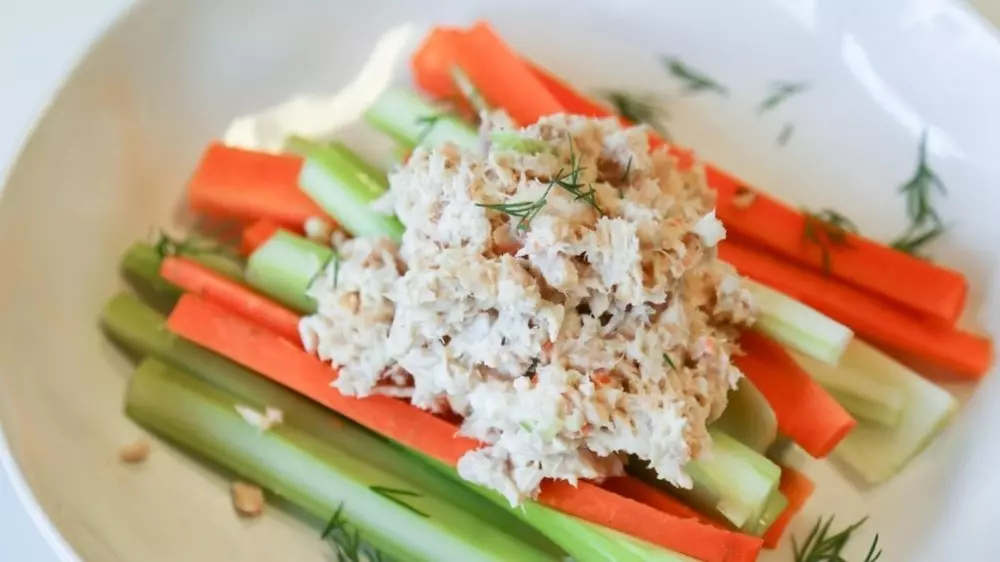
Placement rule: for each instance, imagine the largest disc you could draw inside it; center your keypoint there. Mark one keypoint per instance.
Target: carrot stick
(256, 234)
(635, 489)
(797, 489)
(431, 63)
(805, 412)
(200, 280)
(495, 69)
(944, 350)
(940, 294)
(285, 362)
(248, 186)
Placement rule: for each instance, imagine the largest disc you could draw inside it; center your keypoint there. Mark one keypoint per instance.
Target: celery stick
(876, 452)
(406, 117)
(798, 326)
(776, 504)
(284, 267)
(140, 267)
(142, 332)
(317, 477)
(748, 418)
(513, 140)
(302, 146)
(345, 191)
(864, 396)
(734, 482)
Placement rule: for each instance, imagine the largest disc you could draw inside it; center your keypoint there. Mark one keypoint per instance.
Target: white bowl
(110, 159)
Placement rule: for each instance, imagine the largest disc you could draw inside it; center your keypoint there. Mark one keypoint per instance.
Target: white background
(40, 41)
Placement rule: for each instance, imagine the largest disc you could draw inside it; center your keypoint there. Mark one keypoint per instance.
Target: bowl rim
(25, 496)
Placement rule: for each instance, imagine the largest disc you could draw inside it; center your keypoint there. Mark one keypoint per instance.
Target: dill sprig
(193, 245)
(569, 181)
(780, 92)
(821, 546)
(694, 80)
(639, 108)
(925, 222)
(347, 543)
(825, 229)
(525, 210)
(393, 495)
(785, 135)
(669, 361)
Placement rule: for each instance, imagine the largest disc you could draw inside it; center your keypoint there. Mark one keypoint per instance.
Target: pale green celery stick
(296, 144)
(142, 332)
(748, 418)
(140, 267)
(876, 452)
(734, 482)
(512, 140)
(776, 504)
(864, 396)
(285, 266)
(346, 192)
(406, 523)
(469, 90)
(798, 326)
(582, 540)
(412, 121)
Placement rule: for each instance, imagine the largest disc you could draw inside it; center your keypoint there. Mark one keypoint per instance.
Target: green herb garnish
(785, 135)
(669, 361)
(525, 210)
(571, 181)
(925, 222)
(346, 543)
(193, 245)
(393, 495)
(638, 108)
(694, 81)
(826, 229)
(780, 92)
(820, 546)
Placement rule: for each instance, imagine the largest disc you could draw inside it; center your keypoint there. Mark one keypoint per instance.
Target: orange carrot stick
(256, 234)
(432, 61)
(940, 294)
(200, 280)
(496, 70)
(285, 362)
(797, 489)
(635, 489)
(874, 320)
(806, 413)
(248, 186)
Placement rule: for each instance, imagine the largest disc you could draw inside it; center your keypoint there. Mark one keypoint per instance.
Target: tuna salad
(559, 291)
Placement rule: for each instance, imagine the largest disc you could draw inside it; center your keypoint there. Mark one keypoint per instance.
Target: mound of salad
(544, 332)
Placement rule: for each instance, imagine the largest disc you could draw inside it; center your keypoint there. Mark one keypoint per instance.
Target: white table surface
(36, 51)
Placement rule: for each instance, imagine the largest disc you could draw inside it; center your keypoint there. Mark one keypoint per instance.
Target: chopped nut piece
(136, 452)
(248, 499)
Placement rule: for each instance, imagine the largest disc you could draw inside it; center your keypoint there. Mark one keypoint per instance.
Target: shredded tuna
(551, 333)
